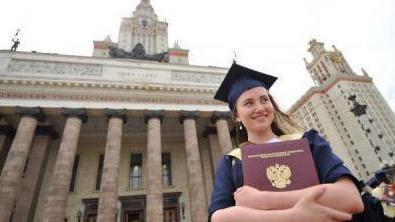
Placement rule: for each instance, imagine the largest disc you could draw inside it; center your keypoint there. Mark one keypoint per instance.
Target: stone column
(221, 121)
(215, 149)
(57, 196)
(34, 174)
(109, 185)
(154, 210)
(7, 133)
(11, 175)
(197, 196)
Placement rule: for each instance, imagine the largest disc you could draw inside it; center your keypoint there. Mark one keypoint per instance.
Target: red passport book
(280, 166)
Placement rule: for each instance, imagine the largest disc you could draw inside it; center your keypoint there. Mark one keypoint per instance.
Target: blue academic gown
(229, 172)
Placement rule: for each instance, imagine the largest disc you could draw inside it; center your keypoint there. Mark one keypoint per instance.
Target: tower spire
(326, 64)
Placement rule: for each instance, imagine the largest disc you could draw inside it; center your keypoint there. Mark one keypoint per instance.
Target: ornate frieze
(5, 84)
(108, 98)
(196, 77)
(50, 67)
(135, 74)
(138, 75)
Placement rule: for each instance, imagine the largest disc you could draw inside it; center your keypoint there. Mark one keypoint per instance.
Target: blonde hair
(282, 124)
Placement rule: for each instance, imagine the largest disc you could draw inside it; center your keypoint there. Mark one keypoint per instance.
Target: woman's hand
(307, 209)
(247, 196)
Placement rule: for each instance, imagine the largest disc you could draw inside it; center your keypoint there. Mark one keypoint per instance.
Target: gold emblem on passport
(279, 175)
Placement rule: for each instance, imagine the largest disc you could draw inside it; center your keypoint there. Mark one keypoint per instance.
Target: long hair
(282, 124)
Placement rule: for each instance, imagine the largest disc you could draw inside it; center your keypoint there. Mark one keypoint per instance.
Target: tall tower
(145, 28)
(142, 36)
(348, 110)
(326, 64)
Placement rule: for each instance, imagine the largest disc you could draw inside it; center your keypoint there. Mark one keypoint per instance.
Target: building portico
(130, 147)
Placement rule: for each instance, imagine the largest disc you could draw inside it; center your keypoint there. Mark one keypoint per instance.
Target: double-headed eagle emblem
(279, 175)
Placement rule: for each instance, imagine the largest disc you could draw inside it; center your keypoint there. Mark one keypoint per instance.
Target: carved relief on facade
(105, 98)
(74, 69)
(196, 77)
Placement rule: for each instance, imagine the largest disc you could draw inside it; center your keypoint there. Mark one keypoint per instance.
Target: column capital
(47, 130)
(154, 114)
(188, 115)
(7, 130)
(217, 115)
(34, 112)
(119, 113)
(209, 131)
(75, 112)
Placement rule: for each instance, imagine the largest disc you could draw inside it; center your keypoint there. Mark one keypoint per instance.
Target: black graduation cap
(239, 79)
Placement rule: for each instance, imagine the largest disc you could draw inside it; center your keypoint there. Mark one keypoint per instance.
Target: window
(136, 171)
(166, 170)
(99, 171)
(74, 173)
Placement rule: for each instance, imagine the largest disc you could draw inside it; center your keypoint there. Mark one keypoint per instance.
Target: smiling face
(255, 110)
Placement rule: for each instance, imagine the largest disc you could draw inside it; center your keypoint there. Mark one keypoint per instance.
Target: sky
(270, 36)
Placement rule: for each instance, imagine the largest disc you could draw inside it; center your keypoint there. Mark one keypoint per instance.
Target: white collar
(273, 140)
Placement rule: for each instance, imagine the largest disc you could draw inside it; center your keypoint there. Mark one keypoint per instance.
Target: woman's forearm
(237, 214)
(305, 209)
(341, 195)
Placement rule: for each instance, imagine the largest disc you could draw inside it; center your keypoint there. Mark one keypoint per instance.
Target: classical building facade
(348, 110)
(110, 139)
(92, 137)
(133, 133)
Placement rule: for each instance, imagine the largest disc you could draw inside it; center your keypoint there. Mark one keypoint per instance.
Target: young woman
(335, 199)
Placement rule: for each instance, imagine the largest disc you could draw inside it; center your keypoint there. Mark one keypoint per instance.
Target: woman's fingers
(339, 215)
(308, 207)
(312, 196)
(334, 214)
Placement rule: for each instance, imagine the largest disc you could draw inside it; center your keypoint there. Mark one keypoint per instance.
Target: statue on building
(15, 45)
(15, 41)
(138, 52)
